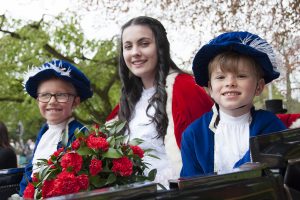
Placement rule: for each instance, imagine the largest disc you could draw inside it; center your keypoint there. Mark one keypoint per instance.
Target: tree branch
(56, 54)
(12, 99)
(12, 34)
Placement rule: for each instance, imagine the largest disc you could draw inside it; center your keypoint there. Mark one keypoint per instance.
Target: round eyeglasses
(59, 97)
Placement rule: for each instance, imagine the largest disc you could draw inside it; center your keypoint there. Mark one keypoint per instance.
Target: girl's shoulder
(183, 77)
(179, 77)
(186, 82)
(202, 121)
(186, 87)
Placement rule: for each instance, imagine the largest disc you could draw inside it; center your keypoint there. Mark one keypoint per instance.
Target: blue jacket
(72, 126)
(197, 146)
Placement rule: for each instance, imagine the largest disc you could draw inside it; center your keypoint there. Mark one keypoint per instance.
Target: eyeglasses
(59, 97)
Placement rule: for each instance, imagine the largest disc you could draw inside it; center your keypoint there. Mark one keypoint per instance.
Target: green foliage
(25, 44)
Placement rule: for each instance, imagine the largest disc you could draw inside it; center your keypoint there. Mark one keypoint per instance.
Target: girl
(158, 100)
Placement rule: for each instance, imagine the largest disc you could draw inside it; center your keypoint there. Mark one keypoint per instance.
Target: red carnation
(73, 160)
(137, 150)
(66, 183)
(50, 162)
(29, 191)
(83, 181)
(96, 126)
(122, 166)
(97, 142)
(47, 189)
(76, 144)
(100, 134)
(56, 153)
(35, 178)
(95, 166)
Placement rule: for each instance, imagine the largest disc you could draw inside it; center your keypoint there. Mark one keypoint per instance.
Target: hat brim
(32, 84)
(209, 51)
(282, 111)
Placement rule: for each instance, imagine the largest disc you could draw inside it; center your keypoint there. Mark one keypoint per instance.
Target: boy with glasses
(58, 87)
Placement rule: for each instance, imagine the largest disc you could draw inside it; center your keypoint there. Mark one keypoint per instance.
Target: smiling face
(140, 52)
(234, 88)
(53, 111)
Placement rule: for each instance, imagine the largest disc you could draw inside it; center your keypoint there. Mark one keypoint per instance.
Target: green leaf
(148, 150)
(85, 151)
(43, 171)
(140, 178)
(103, 129)
(130, 153)
(37, 194)
(111, 140)
(112, 153)
(106, 168)
(120, 151)
(49, 174)
(120, 126)
(121, 139)
(153, 156)
(97, 181)
(79, 134)
(42, 161)
(111, 179)
(136, 141)
(112, 130)
(152, 174)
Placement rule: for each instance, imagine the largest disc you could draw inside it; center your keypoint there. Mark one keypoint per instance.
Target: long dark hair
(132, 85)
(4, 142)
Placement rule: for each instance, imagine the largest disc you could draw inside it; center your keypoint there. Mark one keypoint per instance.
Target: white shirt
(231, 141)
(140, 127)
(48, 143)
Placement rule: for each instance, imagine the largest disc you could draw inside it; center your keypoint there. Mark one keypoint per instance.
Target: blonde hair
(230, 61)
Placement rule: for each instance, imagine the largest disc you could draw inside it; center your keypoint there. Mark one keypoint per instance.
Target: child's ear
(76, 101)
(209, 89)
(260, 87)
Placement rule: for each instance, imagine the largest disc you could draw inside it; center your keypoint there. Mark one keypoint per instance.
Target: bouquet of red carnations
(99, 157)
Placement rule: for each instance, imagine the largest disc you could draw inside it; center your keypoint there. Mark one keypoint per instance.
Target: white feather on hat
(263, 46)
(31, 72)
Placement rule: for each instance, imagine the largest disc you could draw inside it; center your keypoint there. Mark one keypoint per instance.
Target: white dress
(140, 127)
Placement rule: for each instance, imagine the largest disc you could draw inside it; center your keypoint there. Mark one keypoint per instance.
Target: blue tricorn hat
(241, 42)
(62, 70)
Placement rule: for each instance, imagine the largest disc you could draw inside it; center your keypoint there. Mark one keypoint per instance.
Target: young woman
(158, 100)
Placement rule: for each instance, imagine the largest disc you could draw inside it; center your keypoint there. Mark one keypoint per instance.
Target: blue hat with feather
(62, 70)
(241, 42)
